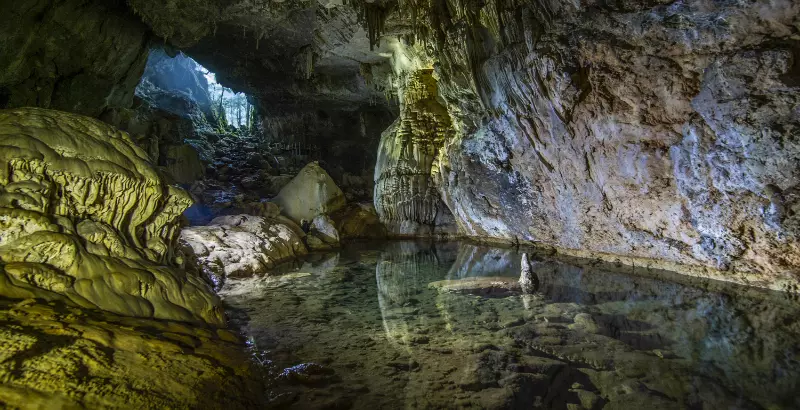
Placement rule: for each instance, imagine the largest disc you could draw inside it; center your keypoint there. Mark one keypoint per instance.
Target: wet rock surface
(381, 333)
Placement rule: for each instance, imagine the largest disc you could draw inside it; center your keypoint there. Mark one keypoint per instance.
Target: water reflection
(442, 335)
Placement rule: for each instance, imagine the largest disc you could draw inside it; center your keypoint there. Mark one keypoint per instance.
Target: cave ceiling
(287, 53)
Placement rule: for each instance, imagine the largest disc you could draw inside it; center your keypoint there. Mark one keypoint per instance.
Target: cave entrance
(181, 86)
(238, 108)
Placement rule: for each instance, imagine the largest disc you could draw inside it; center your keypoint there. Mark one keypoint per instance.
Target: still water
(441, 325)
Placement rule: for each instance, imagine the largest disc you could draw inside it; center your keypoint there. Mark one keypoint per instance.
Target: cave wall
(345, 141)
(72, 55)
(657, 130)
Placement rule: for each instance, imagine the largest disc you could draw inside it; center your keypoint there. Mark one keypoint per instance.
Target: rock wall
(86, 218)
(654, 130)
(72, 55)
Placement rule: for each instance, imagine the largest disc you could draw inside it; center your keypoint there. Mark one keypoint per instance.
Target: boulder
(358, 220)
(310, 193)
(322, 234)
(315, 243)
(322, 226)
(87, 219)
(240, 245)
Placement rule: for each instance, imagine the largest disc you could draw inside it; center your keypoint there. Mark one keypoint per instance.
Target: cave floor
(420, 325)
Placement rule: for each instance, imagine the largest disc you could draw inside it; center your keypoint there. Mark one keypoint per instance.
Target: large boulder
(87, 219)
(240, 245)
(312, 192)
(358, 220)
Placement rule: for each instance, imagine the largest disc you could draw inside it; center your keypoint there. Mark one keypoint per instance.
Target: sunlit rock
(312, 192)
(241, 245)
(87, 219)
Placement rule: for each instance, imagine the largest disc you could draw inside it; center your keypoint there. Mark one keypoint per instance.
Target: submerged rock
(240, 245)
(87, 219)
(310, 193)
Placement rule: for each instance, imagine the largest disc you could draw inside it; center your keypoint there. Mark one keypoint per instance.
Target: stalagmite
(528, 280)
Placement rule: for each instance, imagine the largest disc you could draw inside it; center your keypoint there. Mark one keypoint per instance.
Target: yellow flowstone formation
(85, 217)
(404, 190)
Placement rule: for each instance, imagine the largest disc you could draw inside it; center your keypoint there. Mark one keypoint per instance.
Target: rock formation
(322, 233)
(240, 245)
(406, 197)
(528, 280)
(312, 192)
(86, 218)
(54, 356)
(358, 220)
(660, 133)
(71, 55)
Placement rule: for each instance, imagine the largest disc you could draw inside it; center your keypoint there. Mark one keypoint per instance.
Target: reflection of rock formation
(405, 196)
(86, 218)
(476, 260)
(402, 274)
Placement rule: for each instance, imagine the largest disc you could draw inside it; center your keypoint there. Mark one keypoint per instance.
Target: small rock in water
(528, 280)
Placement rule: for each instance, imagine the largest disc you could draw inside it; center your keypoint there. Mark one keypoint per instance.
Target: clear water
(373, 327)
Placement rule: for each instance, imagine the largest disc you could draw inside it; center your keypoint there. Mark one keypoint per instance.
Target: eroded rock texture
(653, 130)
(406, 197)
(241, 245)
(85, 217)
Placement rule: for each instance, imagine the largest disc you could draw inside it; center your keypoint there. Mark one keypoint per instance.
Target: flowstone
(58, 357)
(86, 218)
(406, 199)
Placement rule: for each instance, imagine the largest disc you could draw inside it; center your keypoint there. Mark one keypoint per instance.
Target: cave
(428, 204)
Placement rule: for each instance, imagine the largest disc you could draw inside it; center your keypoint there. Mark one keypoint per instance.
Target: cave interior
(426, 204)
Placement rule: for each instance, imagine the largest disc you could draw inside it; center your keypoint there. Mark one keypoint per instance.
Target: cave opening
(399, 204)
